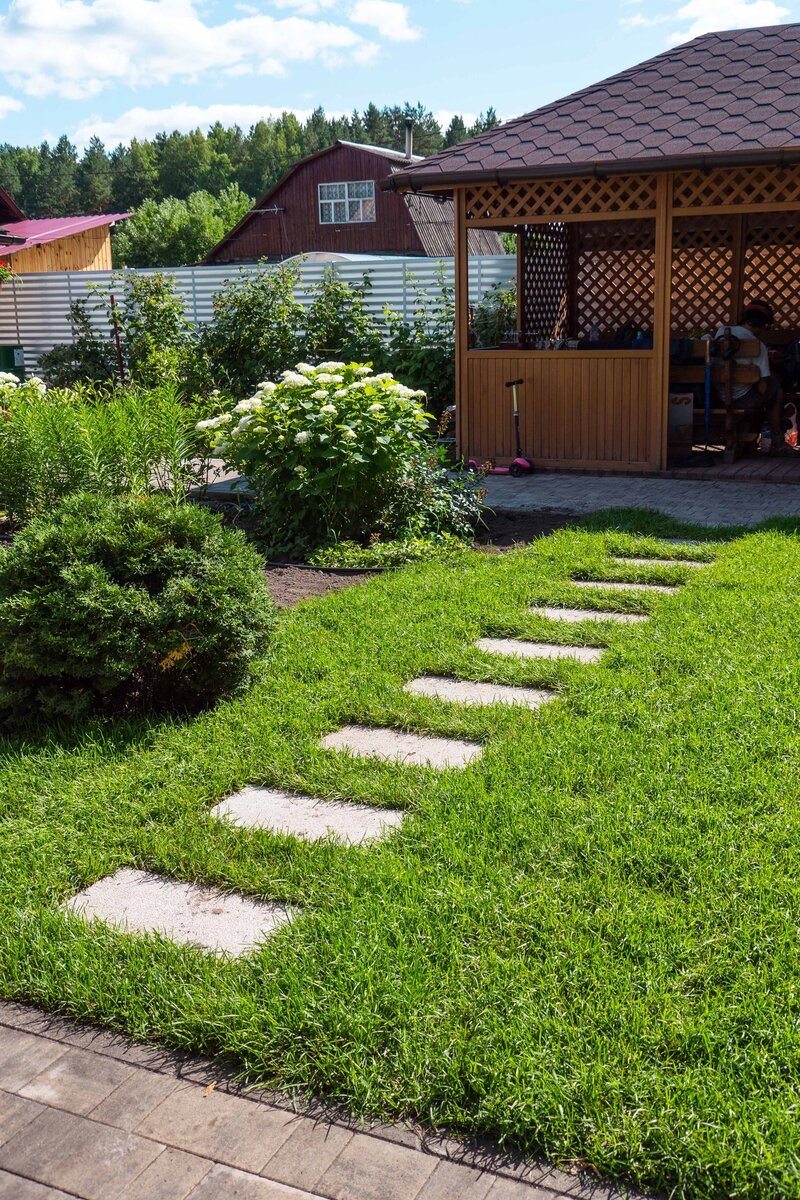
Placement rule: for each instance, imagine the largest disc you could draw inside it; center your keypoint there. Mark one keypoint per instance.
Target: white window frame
(326, 203)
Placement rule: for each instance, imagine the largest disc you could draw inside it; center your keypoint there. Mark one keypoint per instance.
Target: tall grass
(63, 441)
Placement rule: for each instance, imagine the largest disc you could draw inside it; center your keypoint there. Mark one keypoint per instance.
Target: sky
(129, 68)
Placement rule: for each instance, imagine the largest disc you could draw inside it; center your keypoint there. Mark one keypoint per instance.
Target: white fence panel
(34, 312)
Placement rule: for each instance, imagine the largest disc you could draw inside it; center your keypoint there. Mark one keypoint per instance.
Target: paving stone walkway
(705, 503)
(90, 1115)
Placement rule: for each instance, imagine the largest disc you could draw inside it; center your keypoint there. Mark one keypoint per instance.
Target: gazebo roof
(733, 95)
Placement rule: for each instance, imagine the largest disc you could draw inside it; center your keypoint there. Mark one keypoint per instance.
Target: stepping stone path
(660, 562)
(575, 615)
(514, 647)
(140, 902)
(613, 585)
(461, 691)
(411, 749)
(306, 817)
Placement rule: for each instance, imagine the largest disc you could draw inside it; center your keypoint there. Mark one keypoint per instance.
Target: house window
(346, 203)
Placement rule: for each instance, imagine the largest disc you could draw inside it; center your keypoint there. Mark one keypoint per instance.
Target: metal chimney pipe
(409, 138)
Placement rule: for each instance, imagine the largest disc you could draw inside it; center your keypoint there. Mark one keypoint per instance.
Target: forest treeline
(55, 180)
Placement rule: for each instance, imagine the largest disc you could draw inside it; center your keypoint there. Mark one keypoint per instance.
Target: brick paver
(703, 503)
(115, 1120)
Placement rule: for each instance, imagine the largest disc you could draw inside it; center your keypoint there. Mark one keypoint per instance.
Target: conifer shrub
(127, 604)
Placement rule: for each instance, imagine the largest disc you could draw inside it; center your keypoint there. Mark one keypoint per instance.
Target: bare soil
(289, 585)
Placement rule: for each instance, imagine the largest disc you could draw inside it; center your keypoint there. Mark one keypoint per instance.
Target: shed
(54, 243)
(331, 201)
(645, 207)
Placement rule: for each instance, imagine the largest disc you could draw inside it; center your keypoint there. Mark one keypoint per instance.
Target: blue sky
(124, 68)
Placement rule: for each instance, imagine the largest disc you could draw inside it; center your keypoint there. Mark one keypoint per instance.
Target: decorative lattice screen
(614, 276)
(745, 185)
(702, 272)
(561, 197)
(772, 265)
(544, 282)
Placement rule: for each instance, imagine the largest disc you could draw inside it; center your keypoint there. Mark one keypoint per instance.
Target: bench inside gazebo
(646, 210)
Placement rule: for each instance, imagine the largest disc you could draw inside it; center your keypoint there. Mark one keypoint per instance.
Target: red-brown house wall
(297, 229)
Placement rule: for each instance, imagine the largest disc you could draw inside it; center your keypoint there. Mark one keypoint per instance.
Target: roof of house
(734, 95)
(433, 220)
(50, 229)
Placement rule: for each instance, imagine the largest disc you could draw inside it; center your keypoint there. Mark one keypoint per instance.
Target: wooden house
(54, 243)
(646, 209)
(332, 202)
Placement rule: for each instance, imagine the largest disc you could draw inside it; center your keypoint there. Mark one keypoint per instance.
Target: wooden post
(662, 307)
(737, 268)
(461, 269)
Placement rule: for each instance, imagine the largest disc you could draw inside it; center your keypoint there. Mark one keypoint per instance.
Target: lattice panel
(561, 197)
(615, 263)
(746, 185)
(772, 265)
(702, 273)
(544, 280)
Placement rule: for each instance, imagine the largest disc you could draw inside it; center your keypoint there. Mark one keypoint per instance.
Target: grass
(585, 945)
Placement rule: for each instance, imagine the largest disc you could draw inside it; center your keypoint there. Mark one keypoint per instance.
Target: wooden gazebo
(646, 209)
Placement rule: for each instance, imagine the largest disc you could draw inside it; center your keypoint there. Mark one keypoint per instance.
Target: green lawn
(585, 945)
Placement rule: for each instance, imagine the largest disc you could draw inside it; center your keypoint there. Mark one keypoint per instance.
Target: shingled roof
(733, 95)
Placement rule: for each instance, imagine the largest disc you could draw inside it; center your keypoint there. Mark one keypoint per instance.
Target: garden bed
(290, 583)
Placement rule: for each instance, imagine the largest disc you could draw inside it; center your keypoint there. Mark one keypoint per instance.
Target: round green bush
(127, 604)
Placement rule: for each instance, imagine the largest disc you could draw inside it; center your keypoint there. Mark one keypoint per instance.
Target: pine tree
(93, 179)
(456, 132)
(134, 174)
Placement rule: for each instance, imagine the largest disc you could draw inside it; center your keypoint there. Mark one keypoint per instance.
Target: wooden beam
(661, 321)
(737, 267)
(461, 270)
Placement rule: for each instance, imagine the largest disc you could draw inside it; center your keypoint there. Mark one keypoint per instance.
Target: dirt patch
(289, 585)
(504, 530)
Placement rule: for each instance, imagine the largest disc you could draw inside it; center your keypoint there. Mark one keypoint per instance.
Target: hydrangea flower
(266, 386)
(304, 369)
(214, 422)
(331, 366)
(320, 394)
(328, 408)
(246, 406)
(363, 370)
(294, 377)
(302, 437)
(243, 424)
(347, 433)
(375, 408)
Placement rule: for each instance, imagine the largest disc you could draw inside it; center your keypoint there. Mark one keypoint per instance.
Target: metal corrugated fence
(34, 313)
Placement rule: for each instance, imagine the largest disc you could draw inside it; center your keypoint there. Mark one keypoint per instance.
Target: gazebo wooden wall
(688, 245)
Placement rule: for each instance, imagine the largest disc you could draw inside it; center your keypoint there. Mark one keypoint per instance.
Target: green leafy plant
(257, 328)
(54, 443)
(127, 604)
(495, 319)
(421, 351)
(339, 322)
(395, 553)
(336, 452)
(88, 357)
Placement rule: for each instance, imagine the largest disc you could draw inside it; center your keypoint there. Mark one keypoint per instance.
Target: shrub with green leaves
(336, 452)
(395, 553)
(125, 604)
(54, 443)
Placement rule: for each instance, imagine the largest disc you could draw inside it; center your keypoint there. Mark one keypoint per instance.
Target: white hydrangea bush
(322, 448)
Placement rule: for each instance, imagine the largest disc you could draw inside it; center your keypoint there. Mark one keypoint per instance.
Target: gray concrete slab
(377, 1172)
(696, 502)
(521, 648)
(76, 1081)
(140, 902)
(659, 562)
(14, 1187)
(463, 691)
(619, 585)
(410, 749)
(307, 817)
(574, 616)
(225, 1183)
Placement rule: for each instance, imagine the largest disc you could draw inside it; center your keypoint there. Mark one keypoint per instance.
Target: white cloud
(389, 18)
(707, 16)
(146, 122)
(9, 104)
(78, 48)
(306, 8)
(444, 117)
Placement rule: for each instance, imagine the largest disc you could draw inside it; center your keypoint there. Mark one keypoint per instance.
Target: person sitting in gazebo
(765, 396)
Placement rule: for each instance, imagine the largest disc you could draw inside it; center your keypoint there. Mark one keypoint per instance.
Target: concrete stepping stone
(614, 585)
(307, 817)
(393, 745)
(141, 902)
(575, 615)
(463, 691)
(660, 562)
(517, 648)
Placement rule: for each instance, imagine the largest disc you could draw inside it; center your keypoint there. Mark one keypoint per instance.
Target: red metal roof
(733, 95)
(51, 229)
